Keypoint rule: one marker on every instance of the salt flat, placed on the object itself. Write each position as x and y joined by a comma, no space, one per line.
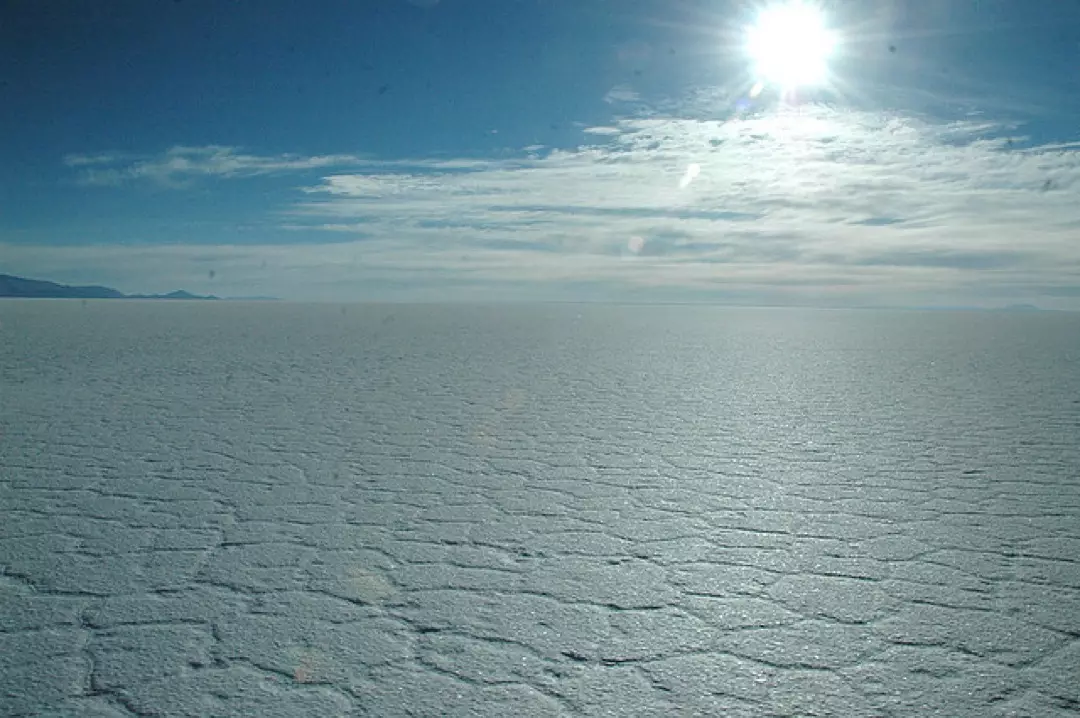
289,510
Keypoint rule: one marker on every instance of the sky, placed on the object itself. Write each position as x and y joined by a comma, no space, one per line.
567,150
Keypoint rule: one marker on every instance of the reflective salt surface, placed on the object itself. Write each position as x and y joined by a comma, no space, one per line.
287,510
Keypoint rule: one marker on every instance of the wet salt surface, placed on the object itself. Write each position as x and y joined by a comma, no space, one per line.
287,510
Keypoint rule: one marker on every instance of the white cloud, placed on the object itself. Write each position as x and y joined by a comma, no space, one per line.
801,205
621,94
180,164
603,131
79,160
805,202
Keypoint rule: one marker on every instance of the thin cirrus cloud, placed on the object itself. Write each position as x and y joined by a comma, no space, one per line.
622,94
800,205
181,164
603,131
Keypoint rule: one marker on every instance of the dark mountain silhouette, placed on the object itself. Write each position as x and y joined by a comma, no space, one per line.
178,294
11,286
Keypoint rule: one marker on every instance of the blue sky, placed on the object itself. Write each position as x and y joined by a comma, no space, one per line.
542,149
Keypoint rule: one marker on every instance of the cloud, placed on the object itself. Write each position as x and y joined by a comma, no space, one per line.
601,130
806,202
181,164
77,160
621,94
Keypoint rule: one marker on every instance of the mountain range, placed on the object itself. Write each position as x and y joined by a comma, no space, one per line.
11,286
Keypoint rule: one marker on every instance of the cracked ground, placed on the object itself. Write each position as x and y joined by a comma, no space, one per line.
285,510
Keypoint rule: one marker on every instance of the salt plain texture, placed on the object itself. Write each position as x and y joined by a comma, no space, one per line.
289,510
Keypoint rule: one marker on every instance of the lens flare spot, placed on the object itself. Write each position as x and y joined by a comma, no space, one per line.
691,174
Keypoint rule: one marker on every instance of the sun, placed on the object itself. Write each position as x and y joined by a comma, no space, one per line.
790,45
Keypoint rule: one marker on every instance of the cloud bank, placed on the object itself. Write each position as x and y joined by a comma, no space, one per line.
805,205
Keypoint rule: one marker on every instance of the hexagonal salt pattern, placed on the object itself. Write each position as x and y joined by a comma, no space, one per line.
222,509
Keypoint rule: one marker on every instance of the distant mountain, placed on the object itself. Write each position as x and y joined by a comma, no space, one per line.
35,288
178,294
19,287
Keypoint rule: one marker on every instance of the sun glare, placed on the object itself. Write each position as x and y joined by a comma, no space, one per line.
790,45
